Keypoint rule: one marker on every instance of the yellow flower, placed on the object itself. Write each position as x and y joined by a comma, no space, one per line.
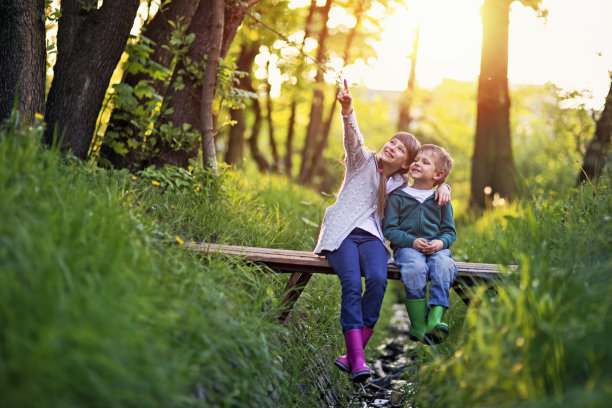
179,240
155,183
134,178
39,116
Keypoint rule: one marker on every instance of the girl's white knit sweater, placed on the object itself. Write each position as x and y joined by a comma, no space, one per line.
357,198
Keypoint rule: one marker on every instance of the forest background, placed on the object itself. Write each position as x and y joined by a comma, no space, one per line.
149,122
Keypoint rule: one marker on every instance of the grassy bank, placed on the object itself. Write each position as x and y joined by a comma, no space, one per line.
100,305
543,338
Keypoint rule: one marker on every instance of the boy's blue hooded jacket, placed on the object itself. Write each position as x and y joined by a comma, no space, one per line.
406,220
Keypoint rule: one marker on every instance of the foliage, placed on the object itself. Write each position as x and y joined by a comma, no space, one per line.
541,338
100,304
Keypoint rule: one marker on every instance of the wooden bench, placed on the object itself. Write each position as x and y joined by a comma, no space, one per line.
302,264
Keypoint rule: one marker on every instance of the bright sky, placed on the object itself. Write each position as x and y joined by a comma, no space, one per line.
572,47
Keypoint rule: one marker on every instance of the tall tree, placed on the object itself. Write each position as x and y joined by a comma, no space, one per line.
492,162
595,156
207,130
235,145
185,95
22,57
121,126
90,41
316,110
317,159
405,104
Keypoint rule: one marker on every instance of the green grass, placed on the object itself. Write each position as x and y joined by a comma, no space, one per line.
542,339
101,306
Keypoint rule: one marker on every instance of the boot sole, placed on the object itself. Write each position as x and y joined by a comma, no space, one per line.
360,376
438,335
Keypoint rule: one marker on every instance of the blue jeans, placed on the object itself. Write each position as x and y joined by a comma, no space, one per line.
417,268
360,253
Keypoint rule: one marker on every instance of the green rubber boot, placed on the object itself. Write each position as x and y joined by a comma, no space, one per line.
416,312
437,331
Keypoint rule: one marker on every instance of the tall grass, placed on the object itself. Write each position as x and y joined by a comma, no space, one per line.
543,338
100,305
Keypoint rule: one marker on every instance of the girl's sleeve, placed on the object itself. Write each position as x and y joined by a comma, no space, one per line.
354,145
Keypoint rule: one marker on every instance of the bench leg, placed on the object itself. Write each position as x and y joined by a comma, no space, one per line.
295,286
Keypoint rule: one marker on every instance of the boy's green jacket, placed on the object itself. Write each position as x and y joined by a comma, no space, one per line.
406,220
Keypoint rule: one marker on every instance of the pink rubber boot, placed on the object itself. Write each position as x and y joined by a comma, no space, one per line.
354,351
342,361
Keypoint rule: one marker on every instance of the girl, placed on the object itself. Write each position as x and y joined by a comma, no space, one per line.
351,235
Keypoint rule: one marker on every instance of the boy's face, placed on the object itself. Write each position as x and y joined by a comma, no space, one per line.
395,154
423,168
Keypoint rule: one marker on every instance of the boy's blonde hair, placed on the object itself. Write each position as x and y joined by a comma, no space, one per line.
443,162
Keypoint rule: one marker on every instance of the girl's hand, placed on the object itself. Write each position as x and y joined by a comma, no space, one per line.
345,99
442,195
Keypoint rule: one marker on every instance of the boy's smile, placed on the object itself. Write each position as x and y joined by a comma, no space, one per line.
423,169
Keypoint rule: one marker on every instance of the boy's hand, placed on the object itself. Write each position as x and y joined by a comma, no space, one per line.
433,246
442,195
420,244
428,248
345,99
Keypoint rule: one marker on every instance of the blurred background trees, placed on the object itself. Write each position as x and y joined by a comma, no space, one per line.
133,84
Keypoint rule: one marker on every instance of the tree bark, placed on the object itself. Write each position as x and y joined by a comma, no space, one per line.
209,157
595,156
22,57
187,102
159,30
90,43
492,162
316,110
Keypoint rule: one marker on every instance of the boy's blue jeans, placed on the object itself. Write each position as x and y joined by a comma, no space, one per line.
417,268
360,252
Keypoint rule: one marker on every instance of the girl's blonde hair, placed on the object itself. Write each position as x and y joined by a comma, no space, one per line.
412,146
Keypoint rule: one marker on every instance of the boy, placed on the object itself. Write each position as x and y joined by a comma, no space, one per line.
420,233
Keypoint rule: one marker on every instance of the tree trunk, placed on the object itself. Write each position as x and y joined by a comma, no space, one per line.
90,43
271,138
22,57
403,124
317,158
159,30
235,148
186,102
595,156
292,117
262,164
492,163
316,111
209,157
290,137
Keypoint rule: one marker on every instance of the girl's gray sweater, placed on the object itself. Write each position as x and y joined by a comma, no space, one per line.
357,198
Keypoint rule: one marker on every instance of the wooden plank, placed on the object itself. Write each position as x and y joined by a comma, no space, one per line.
302,264
289,261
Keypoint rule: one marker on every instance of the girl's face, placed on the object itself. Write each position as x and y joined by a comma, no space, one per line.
394,155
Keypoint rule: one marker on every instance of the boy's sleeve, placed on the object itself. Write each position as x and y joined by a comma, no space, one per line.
448,234
391,228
